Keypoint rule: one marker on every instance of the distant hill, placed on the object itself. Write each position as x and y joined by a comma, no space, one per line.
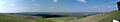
59,13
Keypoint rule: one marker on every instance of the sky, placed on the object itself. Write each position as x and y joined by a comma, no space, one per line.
10,6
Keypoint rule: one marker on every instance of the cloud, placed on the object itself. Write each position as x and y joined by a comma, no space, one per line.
55,1
19,9
2,2
82,0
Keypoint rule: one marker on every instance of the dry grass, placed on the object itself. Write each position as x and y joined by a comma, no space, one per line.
107,17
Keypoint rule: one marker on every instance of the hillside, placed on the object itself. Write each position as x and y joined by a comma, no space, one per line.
13,17
106,17
20,18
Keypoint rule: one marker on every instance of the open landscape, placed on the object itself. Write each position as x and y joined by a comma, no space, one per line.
102,17
59,10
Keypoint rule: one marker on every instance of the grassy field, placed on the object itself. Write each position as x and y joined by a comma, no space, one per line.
20,18
106,17
62,19
28,18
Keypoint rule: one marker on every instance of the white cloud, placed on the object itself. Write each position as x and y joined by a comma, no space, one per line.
55,1
82,0
2,2
18,9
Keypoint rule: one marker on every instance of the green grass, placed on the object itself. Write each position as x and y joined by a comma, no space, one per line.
24,18
19,18
106,17
115,15
61,19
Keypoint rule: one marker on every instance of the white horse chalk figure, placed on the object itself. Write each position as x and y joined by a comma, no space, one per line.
115,21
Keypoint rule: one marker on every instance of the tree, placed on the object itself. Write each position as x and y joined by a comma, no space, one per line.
118,3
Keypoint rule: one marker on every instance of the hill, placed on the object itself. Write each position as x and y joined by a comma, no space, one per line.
20,18
106,17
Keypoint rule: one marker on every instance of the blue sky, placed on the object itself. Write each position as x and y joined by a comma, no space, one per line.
9,6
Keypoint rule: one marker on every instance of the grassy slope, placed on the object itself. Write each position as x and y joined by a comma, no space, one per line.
22,18
107,17
19,18
61,19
